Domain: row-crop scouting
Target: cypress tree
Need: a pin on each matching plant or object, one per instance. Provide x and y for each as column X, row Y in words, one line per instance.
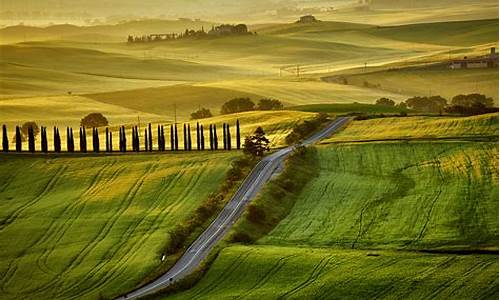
column 150, row 138
column 31, row 140
column 202, row 138
column 72, row 139
column 211, row 138
column 172, row 147
column 80, row 136
column 198, row 136
column 185, row 137
column 159, row 138
column 68, row 142
column 146, row 140
column 5, row 139
column 137, row 140
column 124, row 141
column 176, row 138
column 228, row 135
column 96, row 140
column 84, row 140
column 238, row 136
column 216, row 140
column 45, row 146
column 163, row 148
column 133, row 139
column 189, row 138
column 57, row 140
column 224, row 136
column 107, row 139
column 19, row 146
column 110, row 141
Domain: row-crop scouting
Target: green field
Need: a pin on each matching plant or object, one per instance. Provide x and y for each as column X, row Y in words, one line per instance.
column 350, row 108
column 268, row 272
column 94, row 225
column 407, row 128
column 391, row 220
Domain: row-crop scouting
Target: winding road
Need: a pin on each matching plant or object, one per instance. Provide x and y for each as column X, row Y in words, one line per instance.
column 202, row 246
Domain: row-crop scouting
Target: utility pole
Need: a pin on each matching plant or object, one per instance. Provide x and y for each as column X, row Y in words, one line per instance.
column 298, row 71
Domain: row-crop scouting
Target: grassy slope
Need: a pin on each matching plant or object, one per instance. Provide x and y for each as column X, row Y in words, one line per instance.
column 161, row 100
column 349, row 108
column 305, row 273
column 66, row 111
column 445, row 82
column 413, row 196
column 94, row 224
column 419, row 127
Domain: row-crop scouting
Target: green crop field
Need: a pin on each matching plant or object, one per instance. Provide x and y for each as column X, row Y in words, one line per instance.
column 268, row 272
column 391, row 220
column 483, row 126
column 94, row 225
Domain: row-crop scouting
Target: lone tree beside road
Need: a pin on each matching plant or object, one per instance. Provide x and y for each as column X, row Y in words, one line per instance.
column 256, row 144
column 94, row 120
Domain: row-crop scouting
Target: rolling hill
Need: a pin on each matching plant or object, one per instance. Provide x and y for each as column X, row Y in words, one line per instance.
column 93, row 226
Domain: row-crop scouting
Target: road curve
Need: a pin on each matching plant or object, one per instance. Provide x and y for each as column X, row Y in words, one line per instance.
column 202, row 246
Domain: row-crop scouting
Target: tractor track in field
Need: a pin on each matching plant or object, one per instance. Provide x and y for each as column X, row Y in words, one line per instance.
column 203, row 245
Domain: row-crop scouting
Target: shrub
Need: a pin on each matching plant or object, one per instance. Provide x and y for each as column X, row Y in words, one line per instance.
column 94, row 120
column 237, row 105
column 269, row 104
column 256, row 214
column 201, row 114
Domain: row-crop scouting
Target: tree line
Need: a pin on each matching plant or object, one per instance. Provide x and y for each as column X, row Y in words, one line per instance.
column 136, row 143
column 238, row 105
column 471, row 104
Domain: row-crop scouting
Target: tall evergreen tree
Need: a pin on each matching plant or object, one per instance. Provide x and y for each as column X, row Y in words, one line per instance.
column 216, row 140
column 190, row 145
column 80, row 136
column 68, row 141
column 202, row 138
column 57, row 142
column 55, row 139
column 19, row 145
column 5, row 139
column 124, row 139
column 133, row 139
column 185, row 138
column 110, row 141
column 211, row 137
column 228, row 136
column 176, row 138
column 84, row 140
column 44, row 143
column 31, row 140
column 198, row 147
column 172, row 143
column 72, row 140
column 224, row 137
column 107, row 139
column 97, row 139
column 159, row 138
column 150, row 138
column 146, row 140
column 238, row 136
column 163, row 147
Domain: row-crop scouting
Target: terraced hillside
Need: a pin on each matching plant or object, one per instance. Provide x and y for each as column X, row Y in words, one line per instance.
column 85, row 227
column 388, row 219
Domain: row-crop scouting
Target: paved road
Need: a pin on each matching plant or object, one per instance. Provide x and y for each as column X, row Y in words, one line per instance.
column 202, row 246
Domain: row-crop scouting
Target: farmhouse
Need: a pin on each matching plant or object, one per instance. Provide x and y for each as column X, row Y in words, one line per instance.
column 486, row 61
column 307, row 19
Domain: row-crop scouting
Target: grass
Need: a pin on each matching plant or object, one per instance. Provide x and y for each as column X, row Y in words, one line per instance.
column 269, row 272
column 439, row 81
column 482, row 126
column 95, row 225
column 366, row 224
column 398, row 195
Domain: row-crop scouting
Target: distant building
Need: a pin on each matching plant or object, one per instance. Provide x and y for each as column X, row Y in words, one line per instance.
column 486, row 61
column 307, row 19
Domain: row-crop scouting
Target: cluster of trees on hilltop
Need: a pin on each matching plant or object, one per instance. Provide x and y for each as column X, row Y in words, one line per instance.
column 237, row 105
column 471, row 104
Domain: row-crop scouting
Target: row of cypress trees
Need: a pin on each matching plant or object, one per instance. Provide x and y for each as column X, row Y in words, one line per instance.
column 136, row 144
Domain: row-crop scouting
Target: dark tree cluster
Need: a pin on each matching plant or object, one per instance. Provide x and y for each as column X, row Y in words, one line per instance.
column 237, row 105
column 201, row 113
column 471, row 104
